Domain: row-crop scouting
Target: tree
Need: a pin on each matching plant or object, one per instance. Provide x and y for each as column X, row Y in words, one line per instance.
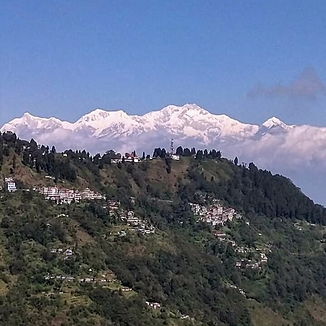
column 179, row 151
column 218, row 155
column 199, row 155
column 157, row 152
column 186, row 152
column 163, row 153
column 33, row 145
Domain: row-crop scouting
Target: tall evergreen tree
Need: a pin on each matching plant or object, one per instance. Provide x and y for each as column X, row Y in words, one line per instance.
column 179, row 151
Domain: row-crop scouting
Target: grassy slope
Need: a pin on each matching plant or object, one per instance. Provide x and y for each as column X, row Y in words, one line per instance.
column 154, row 174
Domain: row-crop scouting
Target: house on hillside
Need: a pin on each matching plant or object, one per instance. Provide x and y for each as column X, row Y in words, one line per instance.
column 131, row 157
column 154, row 305
column 10, row 184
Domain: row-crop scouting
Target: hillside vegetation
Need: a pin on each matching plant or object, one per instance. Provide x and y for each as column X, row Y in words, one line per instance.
column 199, row 241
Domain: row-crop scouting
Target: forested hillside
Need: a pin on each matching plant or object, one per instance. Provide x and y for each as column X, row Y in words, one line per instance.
column 197, row 241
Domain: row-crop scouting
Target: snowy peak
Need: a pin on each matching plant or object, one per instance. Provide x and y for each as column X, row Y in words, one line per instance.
column 100, row 119
column 273, row 126
column 192, row 120
column 27, row 115
column 29, row 121
column 273, row 122
column 27, row 118
column 114, row 124
column 192, row 110
column 173, row 112
column 97, row 114
column 100, row 115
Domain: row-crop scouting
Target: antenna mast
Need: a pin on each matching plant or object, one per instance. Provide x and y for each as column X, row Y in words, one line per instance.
column 171, row 147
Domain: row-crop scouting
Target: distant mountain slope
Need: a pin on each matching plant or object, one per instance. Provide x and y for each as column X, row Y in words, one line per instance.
column 205, row 242
column 274, row 145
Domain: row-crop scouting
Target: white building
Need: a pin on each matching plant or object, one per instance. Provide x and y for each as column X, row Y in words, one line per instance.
column 11, row 186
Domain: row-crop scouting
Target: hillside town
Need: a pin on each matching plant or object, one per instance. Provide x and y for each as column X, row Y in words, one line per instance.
column 251, row 258
column 58, row 195
column 128, row 217
column 254, row 258
column 214, row 214
column 67, row 196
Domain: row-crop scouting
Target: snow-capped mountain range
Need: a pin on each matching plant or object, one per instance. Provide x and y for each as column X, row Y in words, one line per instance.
column 188, row 125
column 188, row 121
column 273, row 145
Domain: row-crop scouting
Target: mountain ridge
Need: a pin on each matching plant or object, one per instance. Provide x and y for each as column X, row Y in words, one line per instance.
column 189, row 125
column 100, row 114
column 171, row 117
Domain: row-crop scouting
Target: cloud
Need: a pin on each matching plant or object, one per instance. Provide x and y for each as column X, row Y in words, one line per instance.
column 307, row 85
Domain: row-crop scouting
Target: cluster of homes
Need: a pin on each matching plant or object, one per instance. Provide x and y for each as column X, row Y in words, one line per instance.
column 251, row 263
column 59, row 277
column 67, row 253
column 156, row 305
column 232, row 286
column 221, row 236
column 88, row 279
column 113, row 206
column 214, row 214
column 258, row 256
column 103, row 279
column 67, row 196
column 126, row 158
column 136, row 223
column 133, row 158
column 59, row 195
column 128, row 216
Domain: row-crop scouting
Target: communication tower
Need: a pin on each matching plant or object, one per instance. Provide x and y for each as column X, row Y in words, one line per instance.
column 171, row 147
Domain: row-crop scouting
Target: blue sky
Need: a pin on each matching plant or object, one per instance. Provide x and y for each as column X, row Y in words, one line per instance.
column 248, row 59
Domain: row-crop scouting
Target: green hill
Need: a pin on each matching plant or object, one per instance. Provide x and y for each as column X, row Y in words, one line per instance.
column 195, row 241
